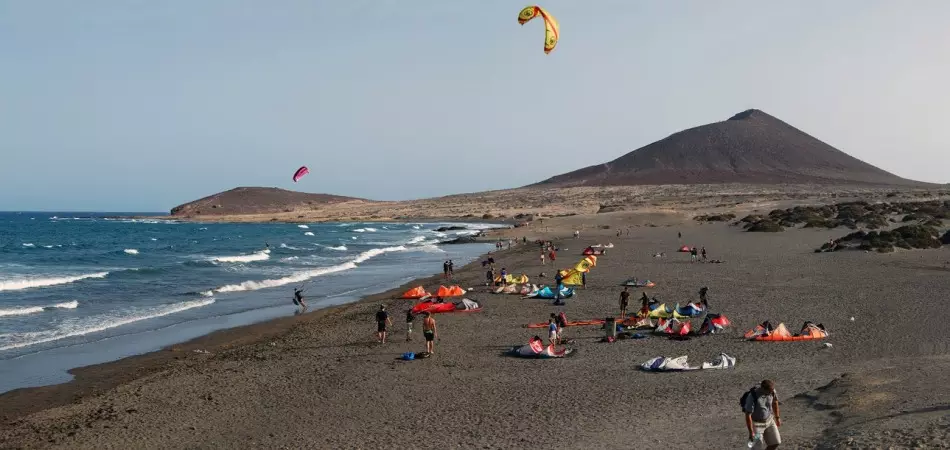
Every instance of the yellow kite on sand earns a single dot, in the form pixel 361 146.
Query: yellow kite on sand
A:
pixel 551 28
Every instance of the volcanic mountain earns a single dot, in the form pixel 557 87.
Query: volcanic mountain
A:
pixel 751 147
pixel 256 200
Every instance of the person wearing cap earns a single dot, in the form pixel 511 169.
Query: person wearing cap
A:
pixel 382 319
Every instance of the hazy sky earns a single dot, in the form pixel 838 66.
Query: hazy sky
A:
pixel 140 105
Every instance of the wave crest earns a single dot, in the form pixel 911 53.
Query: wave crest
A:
pixel 17 284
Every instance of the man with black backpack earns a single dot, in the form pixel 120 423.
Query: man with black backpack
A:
pixel 760 405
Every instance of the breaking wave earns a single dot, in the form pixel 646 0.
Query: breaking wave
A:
pixel 302 226
pixel 341 248
pixel 27 283
pixel 94 324
pixel 24 310
pixel 309 233
pixel 262 255
pixel 306 275
pixel 131 251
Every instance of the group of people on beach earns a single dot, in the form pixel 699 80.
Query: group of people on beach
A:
pixel 448 269
pixel 429 330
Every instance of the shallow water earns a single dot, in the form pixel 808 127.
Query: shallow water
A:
pixel 71 284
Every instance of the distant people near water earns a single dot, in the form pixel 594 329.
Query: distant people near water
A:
pixel 542 257
pixel 703 251
pixel 445 270
pixel 429 332
pixel 762 417
pixel 552 331
pixel 382 320
pixel 692 254
pixel 451 269
pixel 624 302
pixel 409 319
pixel 298 297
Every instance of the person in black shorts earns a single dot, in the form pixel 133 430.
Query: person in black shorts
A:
pixel 298 297
pixel 382 319
pixel 409 319
pixel 624 302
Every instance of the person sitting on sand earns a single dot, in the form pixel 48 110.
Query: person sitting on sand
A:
pixel 429 332
pixel 624 302
pixel 409 319
pixel 382 319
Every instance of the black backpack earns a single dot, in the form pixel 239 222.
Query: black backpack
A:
pixel 742 400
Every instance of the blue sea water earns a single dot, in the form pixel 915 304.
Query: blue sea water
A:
pixel 80 289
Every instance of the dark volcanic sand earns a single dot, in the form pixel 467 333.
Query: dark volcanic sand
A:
pixel 320 380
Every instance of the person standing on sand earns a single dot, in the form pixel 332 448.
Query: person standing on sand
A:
pixel 679 235
pixel 382 319
pixel 409 319
pixel 760 405
pixel 692 254
pixel 584 280
pixel 429 331
pixel 542 257
pixel 451 269
pixel 490 276
pixel 703 251
pixel 624 302
pixel 445 270
pixel 552 332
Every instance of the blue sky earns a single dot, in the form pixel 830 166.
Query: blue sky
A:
pixel 142 105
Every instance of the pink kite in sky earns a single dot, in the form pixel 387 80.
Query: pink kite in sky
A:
pixel 303 170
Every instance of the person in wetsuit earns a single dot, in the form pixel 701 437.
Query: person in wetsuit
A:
pixel 298 297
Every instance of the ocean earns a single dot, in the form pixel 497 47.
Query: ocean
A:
pixel 81 289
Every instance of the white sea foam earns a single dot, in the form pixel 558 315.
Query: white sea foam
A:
pixel 131 251
pixel 47 246
pixel 28 244
pixel 341 248
pixel 16 284
pixel 416 227
pixel 290 247
pixel 300 277
pixel 353 237
pixel 290 258
pixel 416 240
pixel 262 255
pixel 208 293
pixel 302 226
pixel 154 239
pixel 309 233
pixel 24 310
pixel 93 324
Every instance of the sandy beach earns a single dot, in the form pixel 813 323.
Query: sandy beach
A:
pixel 320 380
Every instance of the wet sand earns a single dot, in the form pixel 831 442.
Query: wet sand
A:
pixel 321 381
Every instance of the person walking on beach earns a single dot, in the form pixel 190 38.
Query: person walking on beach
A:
pixel 542 257
pixel 445 270
pixel 382 319
pixel 692 254
pixel 409 319
pixel 451 269
pixel 429 332
pixel 703 251
pixel 760 405
pixel 298 297
pixel 624 302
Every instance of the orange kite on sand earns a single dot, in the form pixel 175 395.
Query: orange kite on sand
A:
pixel 451 291
pixel 415 293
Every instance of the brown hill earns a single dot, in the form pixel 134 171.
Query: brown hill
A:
pixel 750 147
pixel 256 200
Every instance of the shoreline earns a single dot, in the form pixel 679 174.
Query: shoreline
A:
pixel 92 380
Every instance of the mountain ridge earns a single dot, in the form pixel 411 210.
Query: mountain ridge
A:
pixel 257 200
pixel 749 147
